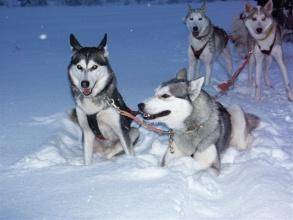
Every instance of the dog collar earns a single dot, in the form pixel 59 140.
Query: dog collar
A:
pixel 269 33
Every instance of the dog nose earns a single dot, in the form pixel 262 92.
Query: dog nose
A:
pixel 195 28
pixel 141 106
pixel 259 30
pixel 85 84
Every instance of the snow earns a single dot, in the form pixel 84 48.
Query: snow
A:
pixel 42 176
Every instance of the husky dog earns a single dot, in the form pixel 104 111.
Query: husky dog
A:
pixel 203 128
pixel 240 37
pixel 93 86
pixel 206 43
pixel 267 44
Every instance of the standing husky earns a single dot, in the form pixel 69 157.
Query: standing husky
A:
pixel 93 86
pixel 203 127
pixel 206 43
pixel 267 37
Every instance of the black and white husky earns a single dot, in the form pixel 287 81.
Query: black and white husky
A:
pixel 264 39
pixel 203 127
pixel 206 43
pixel 93 86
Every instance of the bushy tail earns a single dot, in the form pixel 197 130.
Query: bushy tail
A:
pixel 252 121
pixel 242 126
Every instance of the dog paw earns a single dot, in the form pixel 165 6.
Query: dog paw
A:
pixel 289 95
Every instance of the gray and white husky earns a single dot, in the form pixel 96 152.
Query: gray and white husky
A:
pixel 93 86
pixel 206 43
pixel 267 45
pixel 203 127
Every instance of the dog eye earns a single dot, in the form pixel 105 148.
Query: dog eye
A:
pixel 263 19
pixel 79 67
pixel 191 19
pixel 165 96
pixel 254 19
pixel 94 67
pixel 200 19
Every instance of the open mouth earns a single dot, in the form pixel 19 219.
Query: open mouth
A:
pixel 195 33
pixel 147 116
pixel 87 91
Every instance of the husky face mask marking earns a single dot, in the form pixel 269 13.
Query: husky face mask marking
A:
pixel 172 102
pixel 259 20
pixel 88 69
pixel 196 21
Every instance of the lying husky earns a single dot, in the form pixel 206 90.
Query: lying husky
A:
pixel 265 32
pixel 203 127
pixel 206 43
pixel 93 86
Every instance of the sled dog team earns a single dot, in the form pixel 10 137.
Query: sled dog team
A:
pixel 202 127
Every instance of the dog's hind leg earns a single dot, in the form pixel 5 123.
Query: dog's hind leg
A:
pixel 278 55
pixel 267 64
pixel 118 148
pixel 228 59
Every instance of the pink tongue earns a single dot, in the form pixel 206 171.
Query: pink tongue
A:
pixel 87 91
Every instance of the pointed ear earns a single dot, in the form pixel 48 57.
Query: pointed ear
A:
pixel 203 7
pixel 182 74
pixel 103 46
pixel 248 8
pixel 189 8
pixel 195 88
pixel 103 42
pixel 74 43
pixel 269 6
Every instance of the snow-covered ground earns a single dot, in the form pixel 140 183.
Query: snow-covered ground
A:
pixel 42 176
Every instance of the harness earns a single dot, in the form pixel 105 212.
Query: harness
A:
pixel 269 51
pixel 197 53
pixel 92 119
pixel 216 29
pixel 94 126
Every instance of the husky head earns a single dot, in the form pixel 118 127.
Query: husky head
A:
pixel 173 101
pixel 89 70
pixel 259 20
pixel 197 22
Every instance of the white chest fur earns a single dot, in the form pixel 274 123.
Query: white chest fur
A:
pixel 88 106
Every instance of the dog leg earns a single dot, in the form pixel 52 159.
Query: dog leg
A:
pixel 251 66
pixel 207 158
pixel 118 148
pixel 193 65
pixel 278 55
pixel 259 65
pixel 228 58
pixel 267 64
pixel 209 69
pixel 88 137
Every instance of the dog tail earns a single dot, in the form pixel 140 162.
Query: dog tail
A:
pixel 252 121
pixel 73 116
pixel 242 126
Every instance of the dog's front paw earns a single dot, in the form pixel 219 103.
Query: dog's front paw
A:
pixel 289 94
